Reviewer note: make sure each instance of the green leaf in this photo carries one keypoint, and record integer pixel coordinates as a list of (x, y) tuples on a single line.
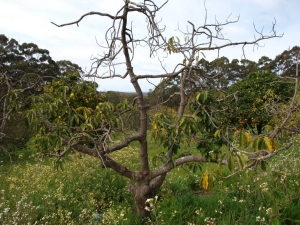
[(174, 148), (261, 144), (275, 221), (171, 41), (255, 144), (242, 140), (198, 96), (220, 159), (263, 165), (231, 163), (203, 96)]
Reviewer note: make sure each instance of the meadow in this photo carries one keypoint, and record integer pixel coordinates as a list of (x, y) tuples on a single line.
[(79, 191)]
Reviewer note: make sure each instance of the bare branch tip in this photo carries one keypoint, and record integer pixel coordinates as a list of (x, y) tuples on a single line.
[(55, 24)]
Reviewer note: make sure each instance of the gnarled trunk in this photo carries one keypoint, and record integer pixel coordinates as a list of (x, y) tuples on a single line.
[(141, 192)]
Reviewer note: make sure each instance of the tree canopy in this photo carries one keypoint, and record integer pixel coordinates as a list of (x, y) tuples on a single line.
[(20, 59), (252, 93)]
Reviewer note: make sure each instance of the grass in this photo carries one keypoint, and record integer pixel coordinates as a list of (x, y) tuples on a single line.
[(84, 193)]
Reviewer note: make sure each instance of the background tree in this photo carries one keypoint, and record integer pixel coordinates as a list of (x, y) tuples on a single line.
[(98, 125), (166, 92), (131, 118), (67, 67), (265, 64), (24, 70), (19, 59), (285, 63), (18, 64), (247, 109), (220, 69), (220, 73)]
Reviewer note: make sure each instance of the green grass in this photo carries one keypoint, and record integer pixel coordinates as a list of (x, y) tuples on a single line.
[(84, 193)]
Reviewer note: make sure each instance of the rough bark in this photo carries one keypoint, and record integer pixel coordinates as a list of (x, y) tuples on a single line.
[(141, 192)]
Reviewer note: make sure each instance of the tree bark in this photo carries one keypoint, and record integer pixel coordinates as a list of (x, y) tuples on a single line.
[(141, 192)]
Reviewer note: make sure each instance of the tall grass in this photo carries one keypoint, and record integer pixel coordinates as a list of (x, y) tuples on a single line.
[(39, 194), (85, 193)]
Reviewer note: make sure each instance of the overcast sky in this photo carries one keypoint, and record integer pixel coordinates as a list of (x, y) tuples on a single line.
[(29, 21)]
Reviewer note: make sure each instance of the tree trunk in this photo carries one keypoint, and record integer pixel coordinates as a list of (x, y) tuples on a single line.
[(140, 206), (141, 192)]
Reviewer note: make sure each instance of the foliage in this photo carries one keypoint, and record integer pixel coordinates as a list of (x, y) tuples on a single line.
[(130, 119), (248, 108), (19, 59), (164, 92), (221, 73), (18, 66), (67, 67), (285, 63), (73, 108), (280, 111), (24, 70)]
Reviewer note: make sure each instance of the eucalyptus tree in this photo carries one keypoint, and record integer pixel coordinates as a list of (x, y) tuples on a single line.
[(66, 67), (20, 59), (265, 64), (94, 130), (285, 63)]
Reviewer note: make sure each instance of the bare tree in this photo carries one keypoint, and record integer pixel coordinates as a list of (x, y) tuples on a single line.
[(122, 44)]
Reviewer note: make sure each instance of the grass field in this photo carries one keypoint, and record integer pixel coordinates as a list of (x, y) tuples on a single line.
[(81, 192)]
